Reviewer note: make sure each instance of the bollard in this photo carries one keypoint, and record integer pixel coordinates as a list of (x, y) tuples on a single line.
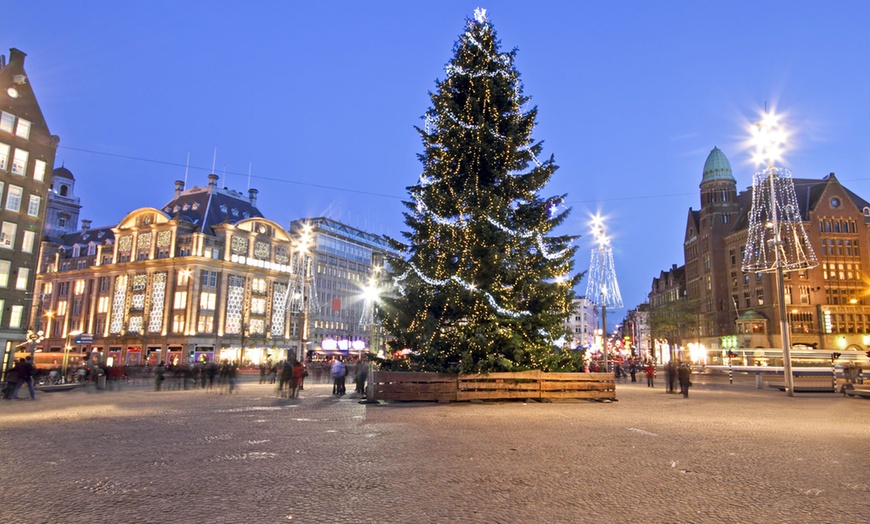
[(759, 381)]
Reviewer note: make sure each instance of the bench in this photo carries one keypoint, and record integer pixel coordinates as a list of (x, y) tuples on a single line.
[(804, 383)]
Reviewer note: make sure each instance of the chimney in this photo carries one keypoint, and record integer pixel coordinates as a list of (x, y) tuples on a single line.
[(86, 224), (212, 181), (252, 196), (179, 187), (16, 56)]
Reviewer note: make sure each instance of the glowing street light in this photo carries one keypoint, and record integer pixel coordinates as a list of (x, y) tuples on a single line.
[(602, 289), (776, 241)]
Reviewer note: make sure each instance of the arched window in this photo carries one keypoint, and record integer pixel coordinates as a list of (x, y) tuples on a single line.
[(64, 190)]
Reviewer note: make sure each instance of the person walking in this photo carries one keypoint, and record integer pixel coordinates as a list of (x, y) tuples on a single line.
[(671, 376), (650, 375), (338, 371), (25, 376), (11, 382), (685, 376), (298, 375)]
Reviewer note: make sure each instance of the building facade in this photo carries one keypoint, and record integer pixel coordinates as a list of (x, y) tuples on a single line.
[(27, 151), (206, 277), (827, 305), (345, 262), (582, 324)]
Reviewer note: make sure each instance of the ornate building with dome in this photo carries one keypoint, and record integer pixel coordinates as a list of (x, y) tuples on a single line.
[(828, 306)]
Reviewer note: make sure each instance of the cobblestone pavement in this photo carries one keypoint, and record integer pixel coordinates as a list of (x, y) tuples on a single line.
[(728, 453)]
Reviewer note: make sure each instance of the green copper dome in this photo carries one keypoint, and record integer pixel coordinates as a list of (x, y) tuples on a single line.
[(717, 167)]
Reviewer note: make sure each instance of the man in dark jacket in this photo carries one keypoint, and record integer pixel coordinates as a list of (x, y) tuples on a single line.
[(25, 376), (685, 378)]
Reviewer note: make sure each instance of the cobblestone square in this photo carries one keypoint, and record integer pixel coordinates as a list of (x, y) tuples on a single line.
[(728, 453)]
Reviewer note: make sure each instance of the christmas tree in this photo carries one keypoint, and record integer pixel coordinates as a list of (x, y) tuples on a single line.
[(480, 285)]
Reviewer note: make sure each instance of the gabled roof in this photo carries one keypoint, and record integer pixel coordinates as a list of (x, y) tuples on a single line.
[(209, 206), (808, 191), (97, 235)]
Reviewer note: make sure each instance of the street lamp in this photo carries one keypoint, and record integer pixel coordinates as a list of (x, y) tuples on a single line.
[(66, 349), (777, 241), (301, 294), (34, 337), (602, 288)]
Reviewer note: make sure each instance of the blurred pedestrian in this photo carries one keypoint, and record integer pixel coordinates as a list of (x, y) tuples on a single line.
[(25, 376), (671, 376), (298, 375), (11, 382), (685, 376), (338, 371), (650, 375)]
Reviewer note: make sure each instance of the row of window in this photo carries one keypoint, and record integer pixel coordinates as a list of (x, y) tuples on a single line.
[(8, 234), (18, 164), (836, 226), (14, 196), (8, 124)]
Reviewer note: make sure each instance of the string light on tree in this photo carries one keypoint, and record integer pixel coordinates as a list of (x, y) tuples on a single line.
[(777, 241), (483, 284)]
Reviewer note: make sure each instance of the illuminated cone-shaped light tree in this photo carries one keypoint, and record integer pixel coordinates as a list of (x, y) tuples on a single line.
[(777, 241), (480, 285), (602, 289)]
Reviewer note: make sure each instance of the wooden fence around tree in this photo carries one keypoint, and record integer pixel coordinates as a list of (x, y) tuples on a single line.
[(535, 385)]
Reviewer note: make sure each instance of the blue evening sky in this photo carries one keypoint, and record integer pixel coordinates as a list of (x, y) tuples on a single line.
[(320, 99)]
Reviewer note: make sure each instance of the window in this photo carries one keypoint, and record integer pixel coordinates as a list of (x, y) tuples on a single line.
[(62, 289), (13, 198), (177, 323), (5, 266), (39, 170), (7, 234), (207, 300), (7, 121), (61, 308), (182, 277), (103, 305), (19, 162), (23, 128), (27, 241), (180, 301), (4, 155), (79, 287), (15, 316), (23, 277), (33, 206), (205, 324), (104, 284), (209, 279)]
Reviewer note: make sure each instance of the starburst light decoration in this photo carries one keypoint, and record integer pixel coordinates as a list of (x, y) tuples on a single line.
[(777, 238), (602, 289)]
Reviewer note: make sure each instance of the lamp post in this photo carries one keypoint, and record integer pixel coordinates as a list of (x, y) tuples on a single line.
[(66, 349), (371, 294), (777, 241), (34, 337), (301, 294), (602, 288)]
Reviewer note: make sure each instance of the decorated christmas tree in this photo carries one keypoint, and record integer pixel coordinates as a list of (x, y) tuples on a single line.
[(480, 285)]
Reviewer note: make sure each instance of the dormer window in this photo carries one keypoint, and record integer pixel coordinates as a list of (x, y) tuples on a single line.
[(76, 250), (185, 207), (223, 208), (195, 206)]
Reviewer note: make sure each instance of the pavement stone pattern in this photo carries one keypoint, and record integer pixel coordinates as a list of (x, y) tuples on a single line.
[(728, 453)]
